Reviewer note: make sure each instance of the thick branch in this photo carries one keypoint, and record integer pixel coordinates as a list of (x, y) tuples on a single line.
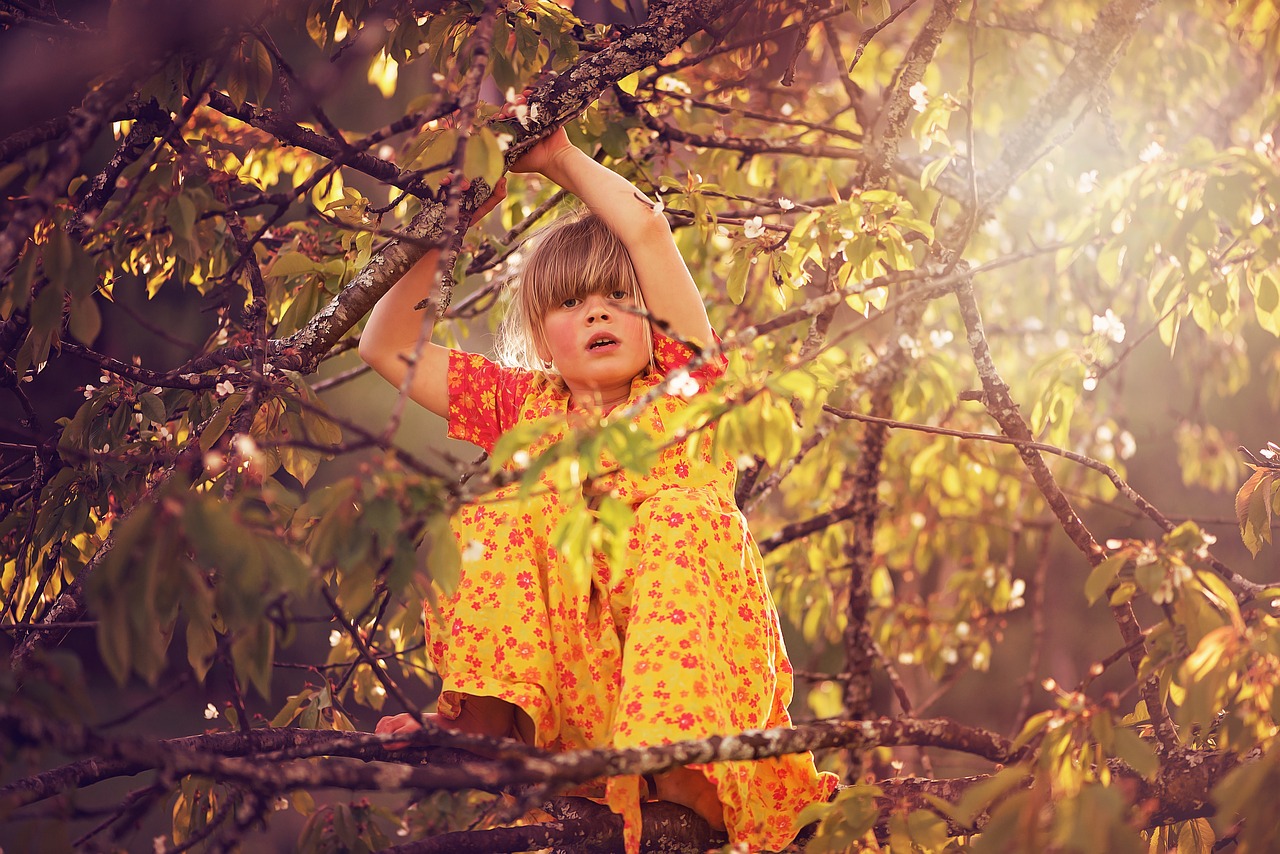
[(221, 755)]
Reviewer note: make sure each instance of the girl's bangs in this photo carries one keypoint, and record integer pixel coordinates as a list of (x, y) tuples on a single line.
[(557, 273)]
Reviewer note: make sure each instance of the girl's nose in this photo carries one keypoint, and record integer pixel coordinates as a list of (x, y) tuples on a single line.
[(596, 311)]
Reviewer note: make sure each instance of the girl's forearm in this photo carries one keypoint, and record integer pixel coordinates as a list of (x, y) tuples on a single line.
[(394, 325), (610, 196)]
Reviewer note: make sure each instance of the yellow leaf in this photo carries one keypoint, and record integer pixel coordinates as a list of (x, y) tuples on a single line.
[(383, 73)]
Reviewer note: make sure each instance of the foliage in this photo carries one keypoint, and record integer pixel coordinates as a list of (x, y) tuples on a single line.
[(987, 275)]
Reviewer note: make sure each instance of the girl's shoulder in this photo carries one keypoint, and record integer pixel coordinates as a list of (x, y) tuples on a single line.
[(486, 399)]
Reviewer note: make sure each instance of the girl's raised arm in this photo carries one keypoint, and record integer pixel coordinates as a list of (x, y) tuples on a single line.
[(669, 292), (391, 333)]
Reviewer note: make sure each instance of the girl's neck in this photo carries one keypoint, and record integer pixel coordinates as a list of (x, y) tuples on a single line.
[(598, 401)]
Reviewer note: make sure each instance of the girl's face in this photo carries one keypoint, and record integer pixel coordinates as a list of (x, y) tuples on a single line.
[(598, 345)]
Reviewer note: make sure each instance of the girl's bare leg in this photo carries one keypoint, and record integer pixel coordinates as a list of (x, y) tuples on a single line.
[(487, 716), (691, 789)]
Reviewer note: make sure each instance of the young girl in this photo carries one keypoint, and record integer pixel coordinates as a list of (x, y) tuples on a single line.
[(680, 639)]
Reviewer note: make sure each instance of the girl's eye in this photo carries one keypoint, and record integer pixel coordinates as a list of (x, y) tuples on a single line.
[(571, 302), (619, 295)]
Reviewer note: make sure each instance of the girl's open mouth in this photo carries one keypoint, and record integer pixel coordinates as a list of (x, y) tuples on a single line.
[(602, 341)]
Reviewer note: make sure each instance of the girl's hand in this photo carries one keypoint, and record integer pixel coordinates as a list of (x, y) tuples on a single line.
[(543, 153), (403, 722)]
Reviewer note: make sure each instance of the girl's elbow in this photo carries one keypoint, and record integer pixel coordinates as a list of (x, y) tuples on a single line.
[(649, 230), (370, 350)]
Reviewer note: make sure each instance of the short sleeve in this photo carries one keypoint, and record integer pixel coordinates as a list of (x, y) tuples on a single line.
[(670, 354), (484, 398)]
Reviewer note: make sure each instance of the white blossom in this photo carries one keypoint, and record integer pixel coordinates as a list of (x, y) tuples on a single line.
[(753, 227), (1087, 182), (160, 844), (785, 203), (244, 445), (210, 712), (281, 803), (1151, 152), (1126, 446), (683, 384), (224, 388), (88, 391), (1109, 325), (335, 637), (473, 551), (919, 96)]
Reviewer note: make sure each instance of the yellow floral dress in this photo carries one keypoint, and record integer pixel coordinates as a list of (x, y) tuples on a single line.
[(678, 641)]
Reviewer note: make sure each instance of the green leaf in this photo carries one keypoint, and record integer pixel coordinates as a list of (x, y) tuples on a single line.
[(253, 652), (1103, 575), (152, 407), (982, 795), (1253, 510), (1196, 837), (17, 292), (484, 156), (929, 175), (1266, 301), (1034, 725), (292, 708), (86, 321), (736, 286), (220, 421), (1136, 753), (291, 264), (444, 561), (182, 217)]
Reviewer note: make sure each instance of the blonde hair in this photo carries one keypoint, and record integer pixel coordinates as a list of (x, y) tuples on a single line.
[(575, 256)]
